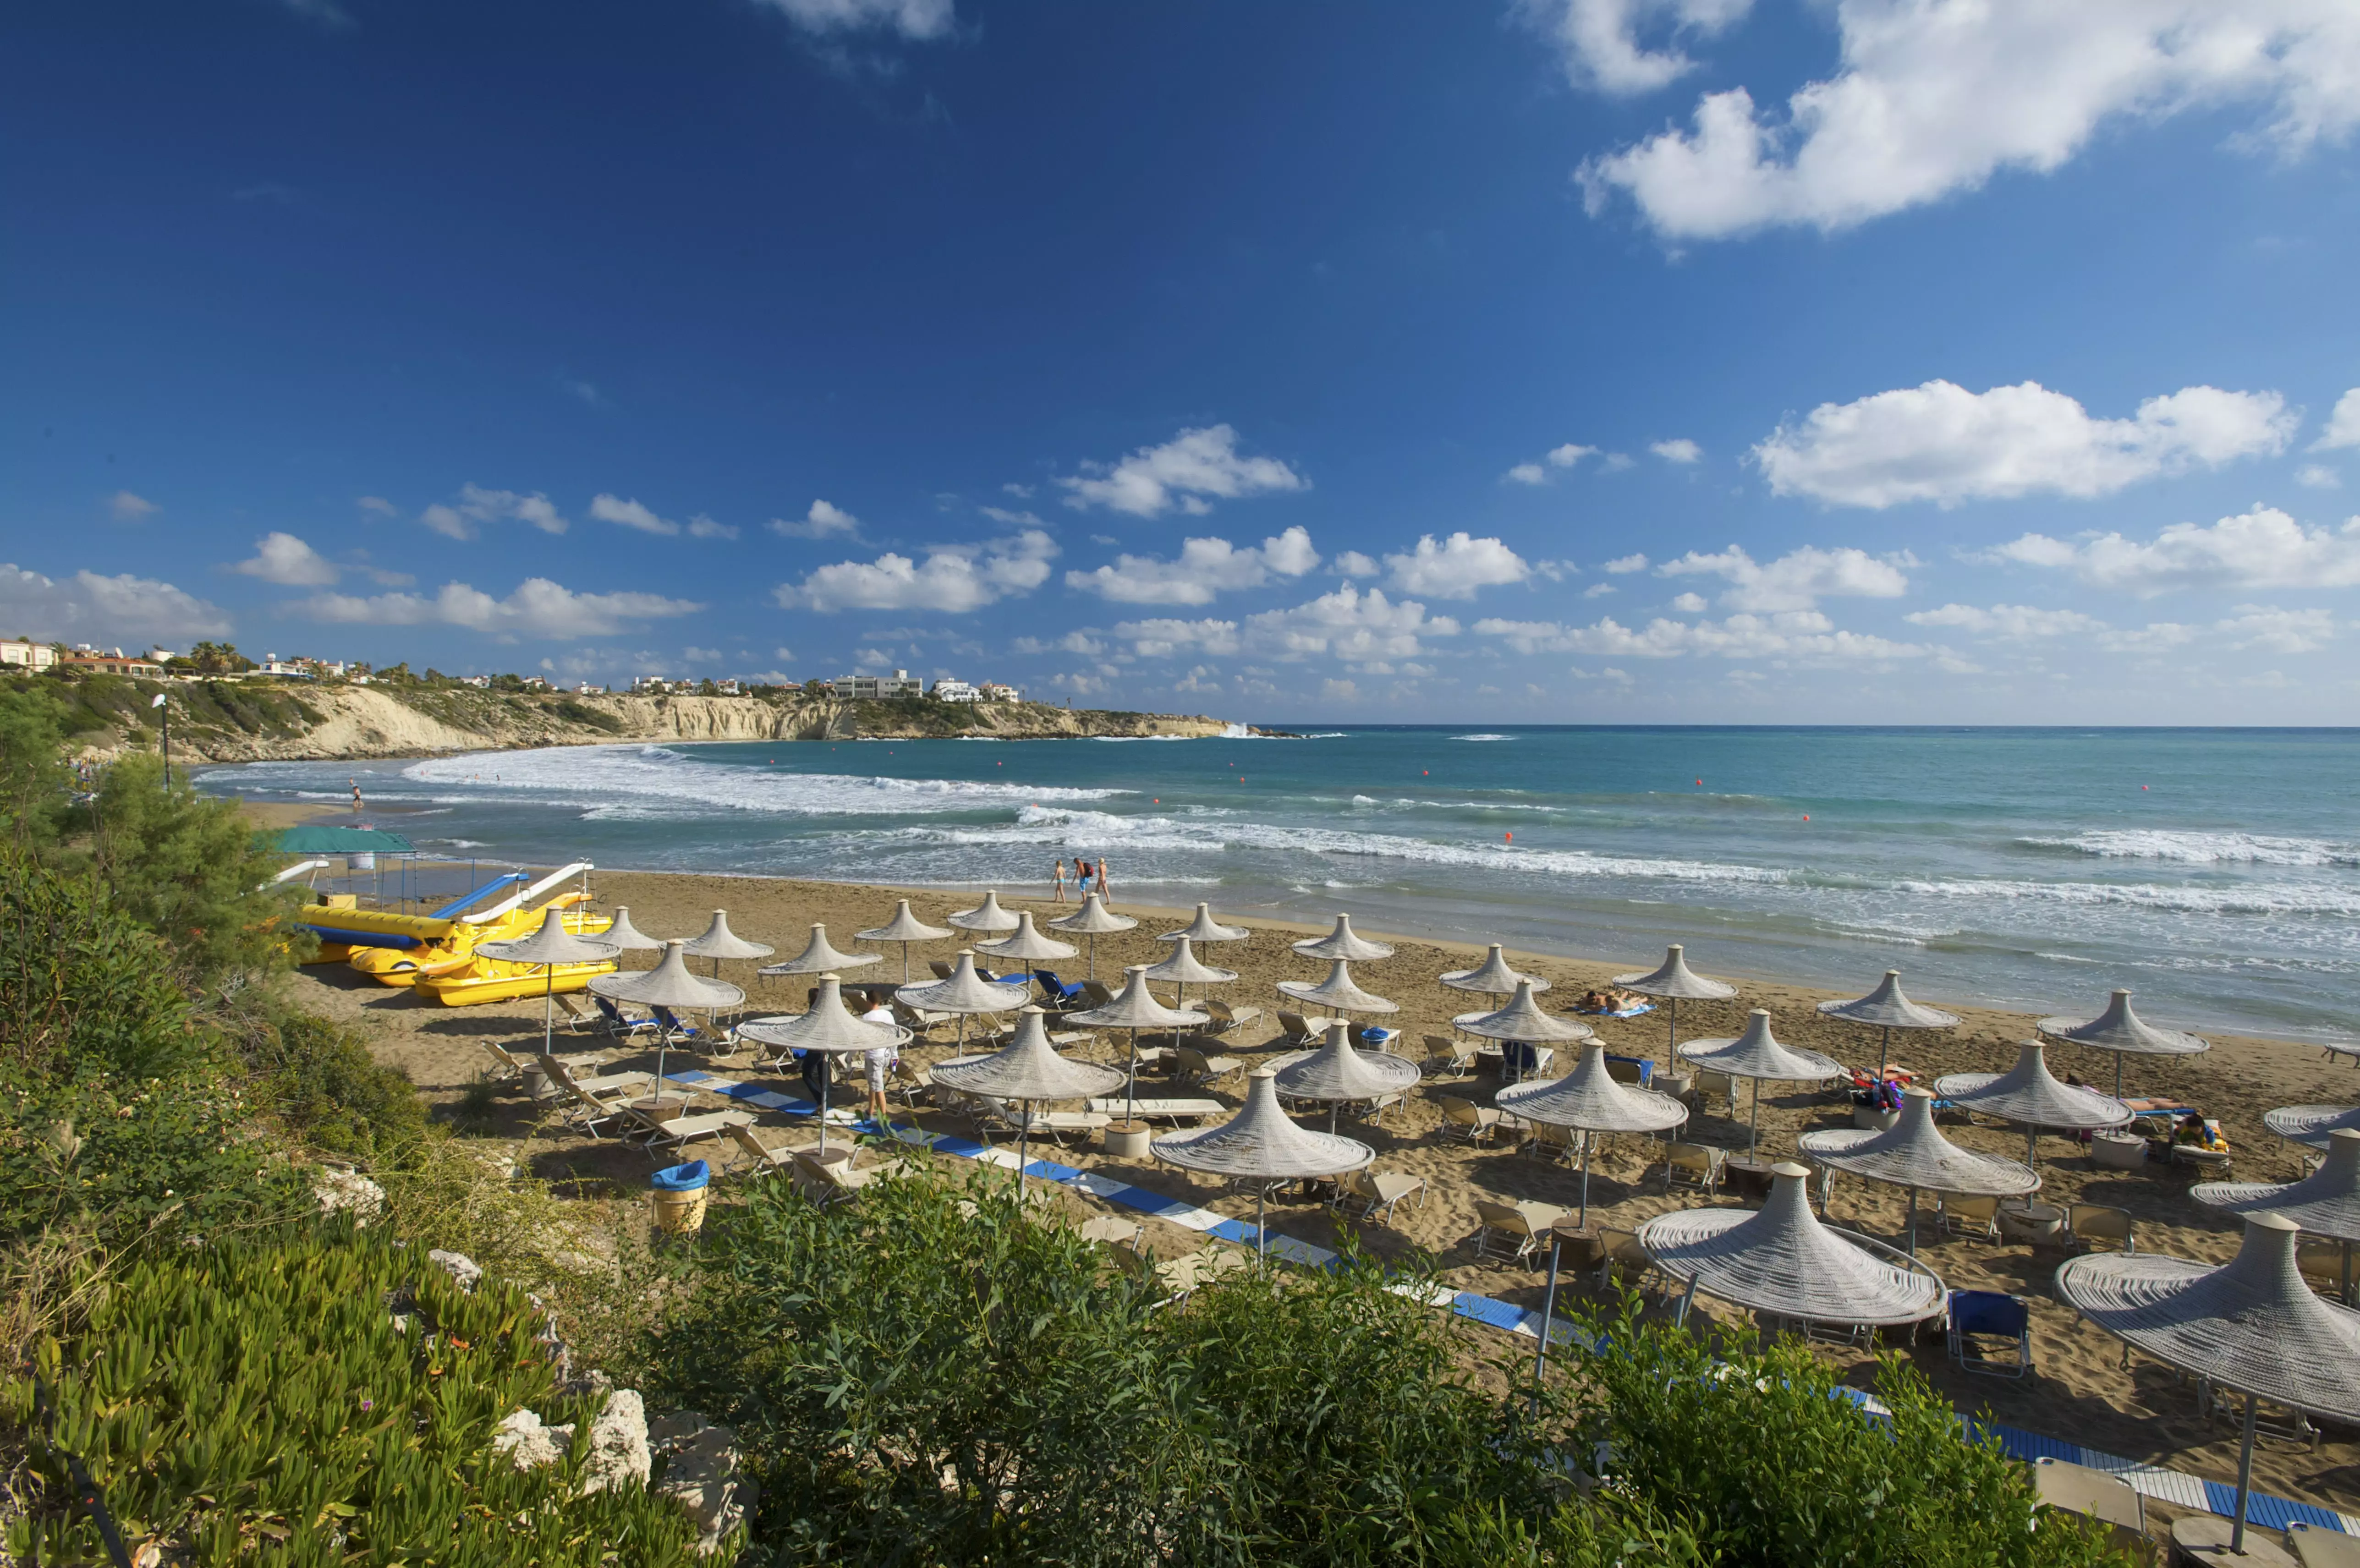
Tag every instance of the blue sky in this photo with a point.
(1693, 360)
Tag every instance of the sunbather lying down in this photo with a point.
(1607, 999)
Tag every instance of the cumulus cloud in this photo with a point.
(1690, 604)
(2343, 425)
(953, 579)
(1190, 472)
(2263, 547)
(1679, 450)
(1457, 567)
(1206, 567)
(1527, 473)
(125, 507)
(916, 19)
(1565, 456)
(478, 506)
(1933, 97)
(703, 527)
(1348, 624)
(376, 505)
(1161, 637)
(88, 608)
(1797, 636)
(823, 520)
(630, 515)
(1352, 563)
(2318, 476)
(2012, 623)
(539, 608)
(285, 560)
(1623, 565)
(1602, 39)
(1942, 443)
(1795, 581)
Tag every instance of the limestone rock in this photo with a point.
(701, 1475)
(340, 1191)
(618, 1443)
(459, 1266)
(528, 1443)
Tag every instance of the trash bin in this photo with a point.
(678, 1192)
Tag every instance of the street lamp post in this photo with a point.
(164, 714)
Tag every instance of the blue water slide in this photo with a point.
(451, 910)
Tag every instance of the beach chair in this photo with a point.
(2099, 1228)
(915, 1085)
(2321, 1266)
(1465, 1119)
(1221, 1017)
(765, 1157)
(1447, 1058)
(827, 1182)
(577, 1017)
(2204, 1164)
(1297, 1029)
(942, 971)
(1095, 993)
(1193, 1067)
(2319, 1546)
(512, 1064)
(672, 1132)
(590, 1103)
(1967, 1216)
(1185, 1275)
(1170, 1109)
(918, 1021)
(2094, 1495)
(1054, 1125)
(676, 1030)
(1055, 993)
(1550, 1144)
(1513, 1231)
(1710, 1086)
(1982, 1325)
(1626, 1072)
(620, 1023)
(1376, 1193)
(1621, 1260)
(1694, 1165)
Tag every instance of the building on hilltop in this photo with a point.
(650, 685)
(876, 688)
(112, 663)
(728, 687)
(994, 691)
(24, 653)
(956, 691)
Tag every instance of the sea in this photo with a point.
(2214, 871)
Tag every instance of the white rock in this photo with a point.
(701, 1477)
(347, 1190)
(618, 1443)
(528, 1443)
(459, 1266)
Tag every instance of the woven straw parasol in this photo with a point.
(2310, 1126)
(819, 957)
(1888, 1009)
(904, 928)
(1337, 1072)
(1183, 969)
(1589, 1100)
(668, 985)
(1673, 982)
(2250, 1326)
(1780, 1259)
(1093, 920)
(1205, 929)
(2325, 1203)
(1913, 1153)
(1027, 1070)
(1492, 977)
(1261, 1144)
(2125, 1033)
(1757, 1055)
(1135, 1007)
(1027, 945)
(1521, 1020)
(987, 916)
(719, 942)
(828, 1028)
(627, 936)
(2026, 1093)
(1343, 943)
(1337, 992)
(965, 993)
(550, 946)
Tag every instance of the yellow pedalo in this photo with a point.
(455, 950)
(477, 979)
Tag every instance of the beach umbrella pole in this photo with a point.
(1585, 1203)
(1548, 1310)
(1131, 1083)
(1262, 1253)
(1671, 1031)
(2347, 1273)
(1753, 1123)
(549, 1011)
(1024, 1142)
(2245, 1481)
(2118, 1075)
(1885, 1054)
(826, 1079)
(1688, 1300)
(1913, 1225)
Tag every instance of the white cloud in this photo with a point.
(1341, 691)
(1023, 520)
(1799, 635)
(954, 579)
(1679, 450)
(1079, 685)
(1347, 624)
(1601, 37)
(2343, 425)
(1795, 581)
(2260, 549)
(376, 503)
(1206, 567)
(2278, 631)
(1935, 96)
(1940, 442)
(630, 515)
(285, 560)
(1161, 637)
(1527, 473)
(695, 655)
(2013, 623)
(89, 607)
(823, 521)
(2318, 476)
(1080, 642)
(1598, 590)
(915, 19)
(1569, 455)
(1352, 563)
(1689, 603)
(1627, 563)
(538, 608)
(478, 506)
(1457, 567)
(1184, 472)
(703, 527)
(125, 507)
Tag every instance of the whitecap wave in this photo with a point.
(1482, 737)
(2199, 848)
(2259, 899)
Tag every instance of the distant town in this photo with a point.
(217, 661)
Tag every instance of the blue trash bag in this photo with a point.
(686, 1178)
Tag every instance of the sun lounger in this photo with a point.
(1447, 1058)
(590, 1103)
(1184, 1275)
(767, 1157)
(1465, 1119)
(1224, 1018)
(514, 1063)
(827, 1182)
(1196, 1067)
(1551, 1144)
(1513, 1231)
(1297, 1029)
(577, 1017)
(1622, 1260)
(620, 1023)
(1979, 1324)
(2099, 1228)
(2316, 1546)
(1095, 993)
(2094, 1495)
(1167, 1109)
(942, 970)
(1056, 994)
(1710, 1085)
(1967, 1216)
(1376, 1193)
(991, 1114)
(1693, 1165)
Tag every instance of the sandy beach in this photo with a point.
(2079, 1392)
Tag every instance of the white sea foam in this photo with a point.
(1482, 737)
(2204, 848)
(2259, 899)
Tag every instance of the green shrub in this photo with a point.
(320, 1083)
(318, 1397)
(583, 713)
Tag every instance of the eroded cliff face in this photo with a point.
(370, 721)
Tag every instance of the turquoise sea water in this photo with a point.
(2217, 873)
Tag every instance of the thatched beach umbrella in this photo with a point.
(1757, 1055)
(719, 942)
(1135, 1007)
(670, 986)
(829, 1028)
(2026, 1093)
(627, 936)
(1492, 977)
(2249, 1325)
(1888, 1009)
(1343, 943)
(2325, 1203)
(1671, 983)
(2310, 1126)
(1093, 920)
(1337, 1072)
(1259, 1144)
(1183, 969)
(1028, 1070)
(819, 956)
(2125, 1033)
(1027, 946)
(966, 993)
(987, 916)
(904, 928)
(1205, 929)
(1337, 993)
(1588, 1099)
(1523, 1022)
(1781, 1260)
(550, 946)
(1913, 1153)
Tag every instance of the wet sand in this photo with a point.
(2078, 1390)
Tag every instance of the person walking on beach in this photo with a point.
(879, 1061)
(1104, 896)
(1060, 878)
(356, 793)
(1081, 878)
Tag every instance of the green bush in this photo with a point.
(314, 1398)
(583, 713)
(318, 1081)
